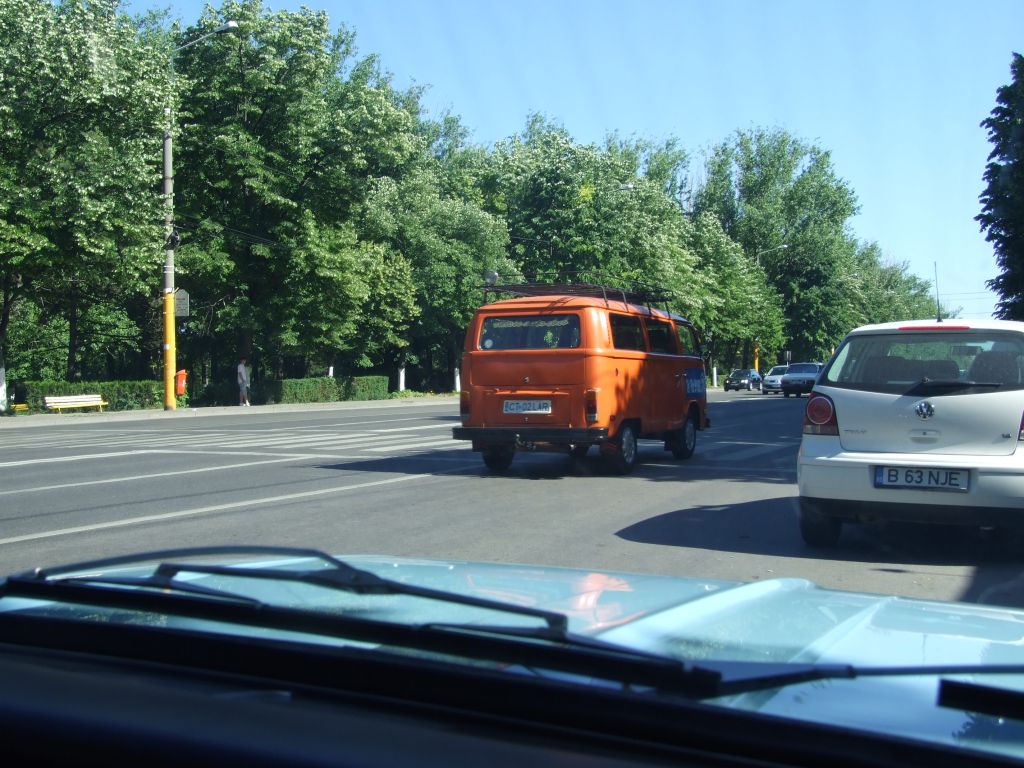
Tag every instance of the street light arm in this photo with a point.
(227, 26)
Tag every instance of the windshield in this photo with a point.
(530, 332)
(480, 298)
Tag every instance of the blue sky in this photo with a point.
(895, 90)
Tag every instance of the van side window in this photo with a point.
(661, 337)
(687, 344)
(626, 332)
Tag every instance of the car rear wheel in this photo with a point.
(498, 459)
(621, 458)
(817, 529)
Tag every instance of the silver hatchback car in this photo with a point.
(917, 421)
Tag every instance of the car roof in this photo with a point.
(949, 324)
(568, 302)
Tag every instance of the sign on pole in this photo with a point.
(180, 302)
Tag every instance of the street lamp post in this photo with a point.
(171, 237)
(757, 257)
(759, 254)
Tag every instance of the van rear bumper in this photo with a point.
(519, 435)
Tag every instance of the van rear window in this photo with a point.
(530, 332)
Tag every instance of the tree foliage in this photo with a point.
(1002, 214)
(325, 220)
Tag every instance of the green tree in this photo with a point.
(82, 90)
(768, 188)
(1002, 214)
(283, 133)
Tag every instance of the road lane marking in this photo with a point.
(84, 457)
(130, 478)
(219, 508)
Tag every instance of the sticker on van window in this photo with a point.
(696, 382)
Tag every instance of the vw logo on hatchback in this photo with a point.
(924, 409)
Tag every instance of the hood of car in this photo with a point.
(773, 623)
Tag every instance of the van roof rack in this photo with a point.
(642, 295)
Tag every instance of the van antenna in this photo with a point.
(938, 307)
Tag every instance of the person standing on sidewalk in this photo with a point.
(243, 382)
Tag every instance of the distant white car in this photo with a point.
(917, 421)
(773, 379)
(799, 378)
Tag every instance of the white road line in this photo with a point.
(215, 508)
(218, 468)
(84, 457)
(450, 442)
(447, 425)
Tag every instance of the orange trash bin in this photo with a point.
(179, 382)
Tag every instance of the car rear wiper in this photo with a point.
(956, 383)
(550, 646)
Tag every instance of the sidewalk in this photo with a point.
(49, 419)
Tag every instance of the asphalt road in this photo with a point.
(387, 478)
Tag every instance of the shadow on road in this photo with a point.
(769, 527)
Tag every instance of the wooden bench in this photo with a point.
(20, 408)
(61, 402)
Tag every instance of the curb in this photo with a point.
(92, 417)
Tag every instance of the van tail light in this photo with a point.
(820, 416)
(590, 405)
(464, 403)
(1020, 435)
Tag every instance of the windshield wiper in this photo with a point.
(550, 646)
(739, 677)
(338, 576)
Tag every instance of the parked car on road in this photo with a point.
(799, 378)
(743, 378)
(916, 421)
(772, 381)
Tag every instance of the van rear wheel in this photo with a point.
(498, 459)
(621, 457)
(684, 441)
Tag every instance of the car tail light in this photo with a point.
(1020, 435)
(590, 405)
(464, 403)
(820, 416)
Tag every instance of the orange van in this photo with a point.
(566, 367)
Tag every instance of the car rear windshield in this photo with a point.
(938, 362)
(530, 332)
(803, 368)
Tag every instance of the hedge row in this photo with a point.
(132, 395)
(119, 395)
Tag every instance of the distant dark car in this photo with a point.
(743, 378)
(800, 378)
